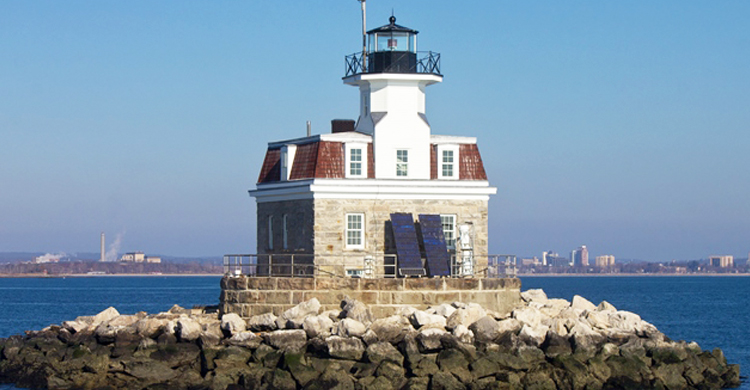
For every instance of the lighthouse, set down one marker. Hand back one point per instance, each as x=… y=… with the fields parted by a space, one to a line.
x=333 y=203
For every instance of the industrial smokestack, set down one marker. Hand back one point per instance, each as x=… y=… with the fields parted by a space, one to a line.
x=103 y=255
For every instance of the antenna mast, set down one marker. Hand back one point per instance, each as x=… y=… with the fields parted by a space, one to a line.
x=364 y=35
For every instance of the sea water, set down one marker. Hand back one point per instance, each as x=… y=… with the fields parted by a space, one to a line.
x=714 y=311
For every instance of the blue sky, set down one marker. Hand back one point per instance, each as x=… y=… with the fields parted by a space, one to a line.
x=623 y=126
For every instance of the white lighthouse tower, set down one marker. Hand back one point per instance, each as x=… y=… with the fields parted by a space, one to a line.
x=392 y=86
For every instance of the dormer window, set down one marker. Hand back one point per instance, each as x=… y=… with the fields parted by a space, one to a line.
x=356 y=160
x=287 y=159
x=447 y=156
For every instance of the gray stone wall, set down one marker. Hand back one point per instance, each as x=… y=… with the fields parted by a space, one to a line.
x=299 y=226
x=330 y=224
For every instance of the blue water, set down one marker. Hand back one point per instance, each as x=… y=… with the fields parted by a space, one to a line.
x=713 y=311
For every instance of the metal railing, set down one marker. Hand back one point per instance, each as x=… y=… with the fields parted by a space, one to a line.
x=367 y=265
x=428 y=62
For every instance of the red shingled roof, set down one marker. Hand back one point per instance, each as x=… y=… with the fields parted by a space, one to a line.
x=471 y=166
x=326 y=160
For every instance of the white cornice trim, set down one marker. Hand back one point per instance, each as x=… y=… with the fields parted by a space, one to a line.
x=373 y=189
x=452 y=139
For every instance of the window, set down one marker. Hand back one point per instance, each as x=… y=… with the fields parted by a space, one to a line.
x=449 y=229
x=355 y=231
x=285 y=233
x=402 y=163
x=270 y=232
x=355 y=162
x=447 y=158
x=447 y=163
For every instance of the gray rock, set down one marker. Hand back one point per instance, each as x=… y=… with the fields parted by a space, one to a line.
x=428 y=339
x=485 y=329
x=356 y=310
x=188 y=329
x=446 y=381
x=105 y=315
x=582 y=303
x=463 y=334
x=286 y=340
x=262 y=323
x=232 y=324
x=381 y=351
x=421 y=318
x=345 y=347
x=150 y=327
x=293 y=318
x=351 y=328
x=444 y=310
x=317 y=326
x=465 y=316
x=391 y=329
x=534 y=295
x=606 y=306
x=245 y=339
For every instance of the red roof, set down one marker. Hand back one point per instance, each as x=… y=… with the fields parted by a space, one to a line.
x=326 y=160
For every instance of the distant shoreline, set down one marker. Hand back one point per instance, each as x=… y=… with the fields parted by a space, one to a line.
x=632 y=275
x=57 y=276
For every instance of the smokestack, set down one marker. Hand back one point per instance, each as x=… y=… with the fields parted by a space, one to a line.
x=103 y=255
x=309 y=129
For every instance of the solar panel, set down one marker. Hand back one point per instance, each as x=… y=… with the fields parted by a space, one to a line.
x=438 y=260
x=407 y=246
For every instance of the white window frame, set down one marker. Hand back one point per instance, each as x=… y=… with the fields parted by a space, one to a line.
x=360 y=230
x=270 y=232
x=349 y=147
x=287 y=160
x=441 y=164
x=450 y=243
x=285 y=232
x=402 y=164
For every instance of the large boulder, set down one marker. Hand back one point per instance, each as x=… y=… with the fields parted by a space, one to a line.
x=465 y=316
x=294 y=317
x=422 y=318
x=345 y=347
x=287 y=340
x=105 y=315
x=231 y=324
x=262 y=322
x=485 y=329
x=534 y=295
x=381 y=351
x=351 y=328
x=582 y=304
x=356 y=310
x=188 y=329
x=317 y=326
x=391 y=329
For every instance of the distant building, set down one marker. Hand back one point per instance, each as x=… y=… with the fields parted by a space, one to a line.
x=534 y=261
x=580 y=256
x=139 y=257
x=725 y=261
x=604 y=261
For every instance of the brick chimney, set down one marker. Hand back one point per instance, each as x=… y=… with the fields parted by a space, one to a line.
x=342 y=125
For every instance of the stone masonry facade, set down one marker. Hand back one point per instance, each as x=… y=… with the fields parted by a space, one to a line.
x=319 y=227
x=249 y=296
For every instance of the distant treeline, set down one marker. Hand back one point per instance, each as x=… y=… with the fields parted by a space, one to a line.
x=83 y=267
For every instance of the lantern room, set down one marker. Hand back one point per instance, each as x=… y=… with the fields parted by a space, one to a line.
x=392 y=49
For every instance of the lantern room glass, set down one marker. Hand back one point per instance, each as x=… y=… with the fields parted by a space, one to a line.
x=392 y=41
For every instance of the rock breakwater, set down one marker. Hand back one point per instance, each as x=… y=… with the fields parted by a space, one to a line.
x=541 y=344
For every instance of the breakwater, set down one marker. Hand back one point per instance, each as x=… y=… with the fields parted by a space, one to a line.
x=541 y=343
